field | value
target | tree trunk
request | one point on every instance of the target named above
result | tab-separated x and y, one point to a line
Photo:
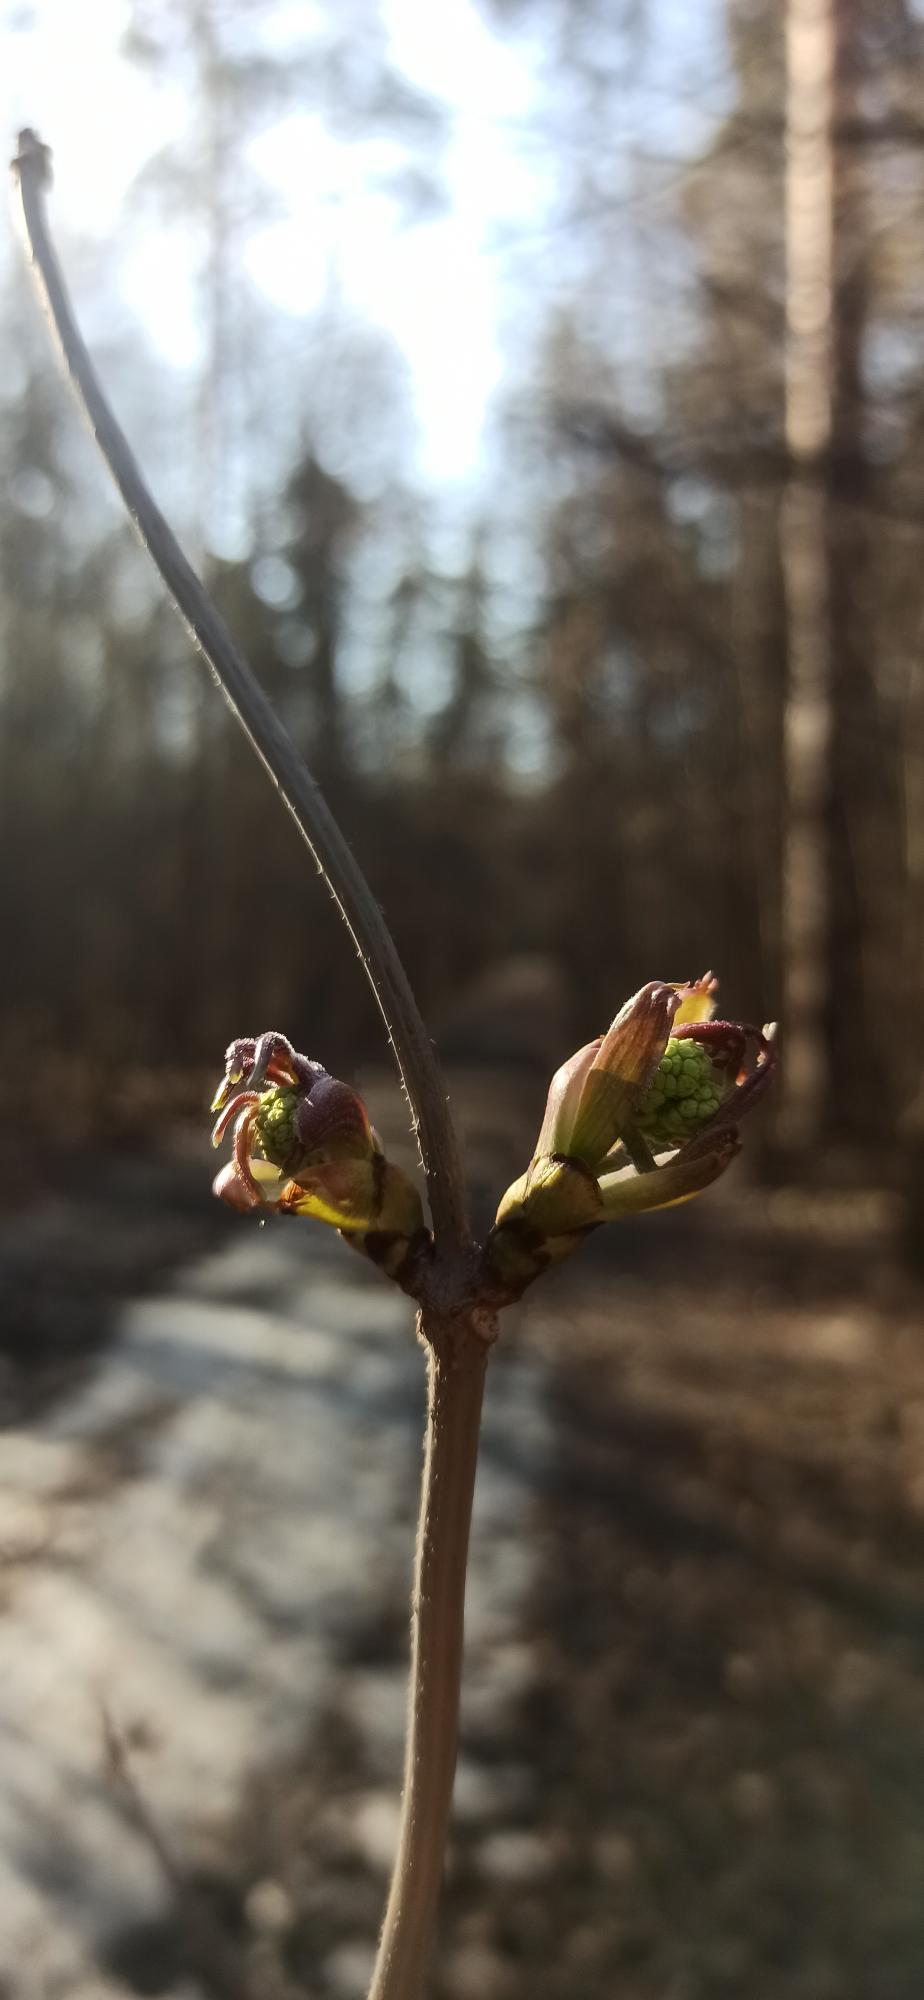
804	558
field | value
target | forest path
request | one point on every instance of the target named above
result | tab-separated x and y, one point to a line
208	1541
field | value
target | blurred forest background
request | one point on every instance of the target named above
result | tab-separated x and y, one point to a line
638	691
539	385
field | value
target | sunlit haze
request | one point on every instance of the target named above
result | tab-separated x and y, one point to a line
429	283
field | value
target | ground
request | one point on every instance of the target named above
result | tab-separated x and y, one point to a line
693	1736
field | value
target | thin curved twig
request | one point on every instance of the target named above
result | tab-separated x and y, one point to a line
414	1053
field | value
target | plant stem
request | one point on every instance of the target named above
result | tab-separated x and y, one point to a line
456	1369
456	1328
414	1054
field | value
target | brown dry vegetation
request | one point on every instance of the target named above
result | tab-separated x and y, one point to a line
706	1774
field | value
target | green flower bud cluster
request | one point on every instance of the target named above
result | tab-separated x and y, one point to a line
274	1124
687	1089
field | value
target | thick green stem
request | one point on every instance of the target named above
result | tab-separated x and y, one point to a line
457	1360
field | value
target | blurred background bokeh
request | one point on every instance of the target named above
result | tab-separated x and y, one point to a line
538	385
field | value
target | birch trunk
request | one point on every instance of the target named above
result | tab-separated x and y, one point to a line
804	561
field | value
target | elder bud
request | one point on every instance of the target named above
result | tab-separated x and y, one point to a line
329	1122
664	1079
595	1097
305	1146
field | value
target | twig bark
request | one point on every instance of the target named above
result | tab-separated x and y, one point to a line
456	1369
414	1053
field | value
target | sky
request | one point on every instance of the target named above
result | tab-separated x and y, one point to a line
460	288
432	286
437	287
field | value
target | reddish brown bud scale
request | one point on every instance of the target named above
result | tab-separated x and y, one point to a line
332	1119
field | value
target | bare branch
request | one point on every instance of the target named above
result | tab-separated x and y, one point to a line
414	1053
